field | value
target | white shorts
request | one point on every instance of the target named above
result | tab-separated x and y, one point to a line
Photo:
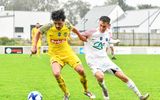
103	64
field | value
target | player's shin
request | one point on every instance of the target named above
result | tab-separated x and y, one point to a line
104	89
84	82
102	85
132	86
38	51
62	85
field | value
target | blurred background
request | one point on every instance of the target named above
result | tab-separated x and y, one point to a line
135	23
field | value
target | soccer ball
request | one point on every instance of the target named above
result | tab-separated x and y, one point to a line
34	95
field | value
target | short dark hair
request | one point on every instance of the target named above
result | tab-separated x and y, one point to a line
58	15
105	19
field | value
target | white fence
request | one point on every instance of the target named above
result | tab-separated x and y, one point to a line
138	39
79	50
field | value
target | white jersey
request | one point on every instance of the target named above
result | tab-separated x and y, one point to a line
96	44
95	52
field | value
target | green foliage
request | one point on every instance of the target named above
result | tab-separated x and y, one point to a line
14	42
76	8
121	3
7	41
146	6
30	5
73	9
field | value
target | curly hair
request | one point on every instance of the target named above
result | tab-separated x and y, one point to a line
58	15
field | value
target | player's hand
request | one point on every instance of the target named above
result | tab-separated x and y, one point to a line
34	50
83	38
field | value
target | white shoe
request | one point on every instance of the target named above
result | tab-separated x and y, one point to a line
66	97
106	98
144	97
90	95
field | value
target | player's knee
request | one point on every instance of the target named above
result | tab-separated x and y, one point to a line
56	74
100	77
80	70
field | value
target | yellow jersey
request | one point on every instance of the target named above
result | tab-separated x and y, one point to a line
57	38
58	47
34	32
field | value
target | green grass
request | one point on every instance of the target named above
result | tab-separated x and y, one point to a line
20	74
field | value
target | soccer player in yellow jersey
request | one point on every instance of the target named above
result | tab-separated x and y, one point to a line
34	32
60	51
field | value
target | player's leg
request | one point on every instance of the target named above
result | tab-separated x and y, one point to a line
75	63
100	79
56	69
38	50
98	67
130	84
83	80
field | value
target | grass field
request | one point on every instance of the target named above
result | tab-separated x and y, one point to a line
20	74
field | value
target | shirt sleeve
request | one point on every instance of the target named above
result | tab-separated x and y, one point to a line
43	29
69	25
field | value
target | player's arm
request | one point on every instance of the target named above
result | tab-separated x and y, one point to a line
41	30
36	38
74	30
81	37
88	33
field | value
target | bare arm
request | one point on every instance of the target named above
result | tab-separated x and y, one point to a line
88	33
34	47
81	37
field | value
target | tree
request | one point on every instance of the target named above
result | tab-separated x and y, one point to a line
75	9
48	5
5	3
146	6
30	5
121	3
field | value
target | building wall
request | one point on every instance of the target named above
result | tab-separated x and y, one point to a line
28	19
141	21
6	27
9	20
92	17
117	12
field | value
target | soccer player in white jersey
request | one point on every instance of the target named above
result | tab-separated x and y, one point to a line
99	62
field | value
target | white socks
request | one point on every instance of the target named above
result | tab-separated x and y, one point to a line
102	85
132	86
104	90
